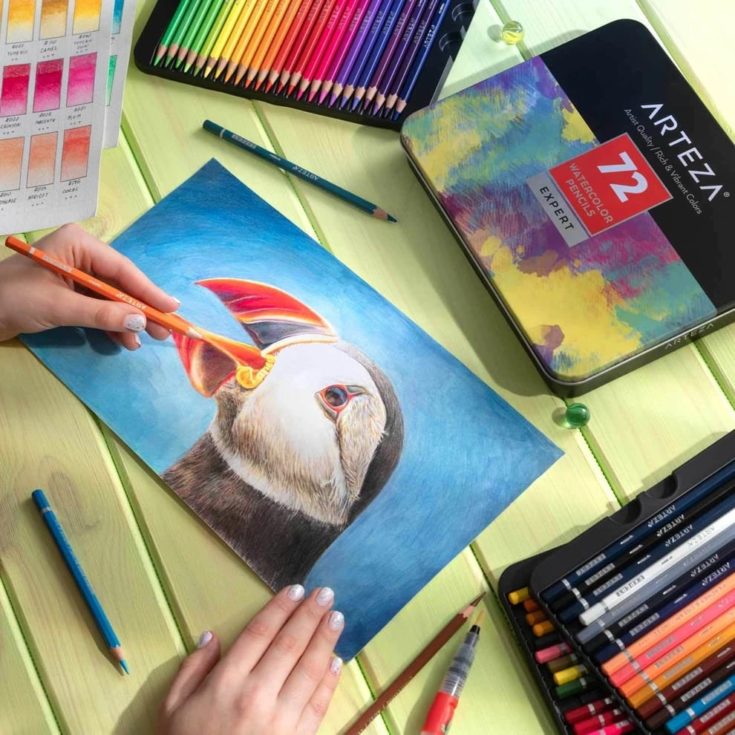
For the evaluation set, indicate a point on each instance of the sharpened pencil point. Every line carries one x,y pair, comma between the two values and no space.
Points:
391,218
124,666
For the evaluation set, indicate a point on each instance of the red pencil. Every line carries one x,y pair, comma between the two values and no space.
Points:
328,47
294,42
315,33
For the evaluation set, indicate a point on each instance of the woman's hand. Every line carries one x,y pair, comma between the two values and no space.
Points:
277,678
33,298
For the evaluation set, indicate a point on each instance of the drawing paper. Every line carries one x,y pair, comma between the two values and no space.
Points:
123,16
344,447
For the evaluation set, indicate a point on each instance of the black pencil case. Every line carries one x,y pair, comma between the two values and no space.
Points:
445,47
547,570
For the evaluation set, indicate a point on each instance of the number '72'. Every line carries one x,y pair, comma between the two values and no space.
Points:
640,184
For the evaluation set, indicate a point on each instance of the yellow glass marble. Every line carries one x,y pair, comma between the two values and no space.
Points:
512,32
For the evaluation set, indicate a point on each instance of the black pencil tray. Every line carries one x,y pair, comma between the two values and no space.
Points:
552,566
446,45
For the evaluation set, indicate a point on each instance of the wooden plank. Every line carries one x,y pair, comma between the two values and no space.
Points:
638,434
163,123
23,703
51,441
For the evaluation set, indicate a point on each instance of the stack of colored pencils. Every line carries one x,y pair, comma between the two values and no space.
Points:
362,56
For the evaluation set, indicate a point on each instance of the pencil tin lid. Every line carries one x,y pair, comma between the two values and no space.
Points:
591,189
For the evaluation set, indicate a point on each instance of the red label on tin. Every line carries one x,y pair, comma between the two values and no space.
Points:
609,184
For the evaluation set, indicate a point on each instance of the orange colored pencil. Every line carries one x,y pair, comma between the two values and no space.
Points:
691,644
314,37
251,27
670,626
295,11
300,35
240,352
714,644
266,39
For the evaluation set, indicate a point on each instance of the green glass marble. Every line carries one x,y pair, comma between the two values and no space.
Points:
576,415
512,32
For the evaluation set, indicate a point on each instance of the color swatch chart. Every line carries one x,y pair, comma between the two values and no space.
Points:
123,15
53,74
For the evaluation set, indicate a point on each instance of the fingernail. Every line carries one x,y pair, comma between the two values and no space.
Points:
336,620
136,340
295,592
335,665
134,322
178,301
325,597
204,638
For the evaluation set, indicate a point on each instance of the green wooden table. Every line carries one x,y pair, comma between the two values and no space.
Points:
163,593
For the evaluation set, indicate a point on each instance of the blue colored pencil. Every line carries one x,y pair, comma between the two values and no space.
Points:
62,543
415,73
302,173
372,58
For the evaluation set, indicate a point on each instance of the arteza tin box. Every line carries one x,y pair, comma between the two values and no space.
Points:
591,189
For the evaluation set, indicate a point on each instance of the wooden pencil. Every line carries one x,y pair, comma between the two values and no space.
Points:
214,34
315,35
197,21
302,38
294,14
402,680
234,37
224,35
190,10
268,39
302,173
248,33
171,29
202,33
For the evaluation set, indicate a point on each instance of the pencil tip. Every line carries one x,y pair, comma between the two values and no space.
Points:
391,218
124,665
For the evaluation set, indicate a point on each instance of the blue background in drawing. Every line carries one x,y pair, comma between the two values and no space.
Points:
467,454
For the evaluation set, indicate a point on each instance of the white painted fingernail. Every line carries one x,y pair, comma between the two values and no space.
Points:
335,666
295,592
178,301
204,638
336,620
134,322
136,339
325,597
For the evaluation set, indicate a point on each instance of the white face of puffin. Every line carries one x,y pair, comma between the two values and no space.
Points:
306,435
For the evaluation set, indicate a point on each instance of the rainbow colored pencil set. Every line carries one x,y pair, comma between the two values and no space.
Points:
630,627
369,61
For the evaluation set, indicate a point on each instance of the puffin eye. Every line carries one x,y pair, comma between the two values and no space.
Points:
336,396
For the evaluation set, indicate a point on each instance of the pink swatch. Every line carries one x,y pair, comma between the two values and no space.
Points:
48,85
14,94
81,80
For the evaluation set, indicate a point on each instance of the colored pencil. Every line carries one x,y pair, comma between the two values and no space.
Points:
595,722
694,616
336,41
569,674
80,578
670,576
261,26
225,33
658,607
343,49
293,15
561,663
392,86
249,33
418,663
376,53
719,528
192,30
296,170
179,33
214,34
678,695
711,716
397,45
642,531
240,352
235,34
629,573
701,705
323,25
302,36
374,12
202,33
551,652
582,684
578,714
267,42
415,72
171,29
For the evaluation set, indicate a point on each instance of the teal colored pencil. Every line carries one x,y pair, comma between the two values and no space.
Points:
302,173
196,23
172,27
203,33
62,543
213,35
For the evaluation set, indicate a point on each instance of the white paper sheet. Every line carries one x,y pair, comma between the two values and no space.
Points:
123,17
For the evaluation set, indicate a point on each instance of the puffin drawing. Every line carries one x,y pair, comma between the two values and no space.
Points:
307,431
